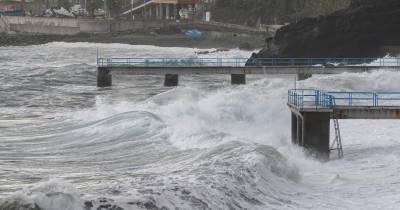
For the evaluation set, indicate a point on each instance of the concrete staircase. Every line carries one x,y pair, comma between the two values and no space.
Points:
147,2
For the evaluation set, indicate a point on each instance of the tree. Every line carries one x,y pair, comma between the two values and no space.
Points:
64,3
114,7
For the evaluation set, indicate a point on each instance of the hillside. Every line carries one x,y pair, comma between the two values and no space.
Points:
362,30
254,12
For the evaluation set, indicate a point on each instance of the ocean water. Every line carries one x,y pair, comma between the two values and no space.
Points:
66,144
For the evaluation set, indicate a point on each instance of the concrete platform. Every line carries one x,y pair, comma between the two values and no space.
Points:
311,114
162,70
302,72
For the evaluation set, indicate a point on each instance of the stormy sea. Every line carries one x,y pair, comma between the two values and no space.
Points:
66,144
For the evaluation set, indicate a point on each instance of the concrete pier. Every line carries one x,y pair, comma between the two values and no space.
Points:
311,130
238,79
238,74
312,111
316,127
104,77
171,80
238,69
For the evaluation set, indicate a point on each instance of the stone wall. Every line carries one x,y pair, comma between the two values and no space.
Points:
70,26
94,26
41,25
3,26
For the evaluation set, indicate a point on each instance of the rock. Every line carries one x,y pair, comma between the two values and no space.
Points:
11,32
169,30
88,205
255,12
14,205
359,31
245,46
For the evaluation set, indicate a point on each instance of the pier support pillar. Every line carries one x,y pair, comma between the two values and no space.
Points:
238,79
167,12
294,129
171,80
303,76
315,135
104,77
157,12
160,11
299,130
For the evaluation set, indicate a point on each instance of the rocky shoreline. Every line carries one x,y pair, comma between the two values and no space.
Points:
363,30
162,40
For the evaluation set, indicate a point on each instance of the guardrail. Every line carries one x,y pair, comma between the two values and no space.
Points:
232,26
237,62
309,98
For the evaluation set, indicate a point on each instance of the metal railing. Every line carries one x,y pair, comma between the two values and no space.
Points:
309,98
237,62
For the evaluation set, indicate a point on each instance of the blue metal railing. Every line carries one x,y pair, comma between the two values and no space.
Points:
235,62
310,98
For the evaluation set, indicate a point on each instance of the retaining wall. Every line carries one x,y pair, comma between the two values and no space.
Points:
43,25
67,26
3,27
95,26
70,26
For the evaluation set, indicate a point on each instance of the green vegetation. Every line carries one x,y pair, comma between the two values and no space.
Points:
114,7
65,3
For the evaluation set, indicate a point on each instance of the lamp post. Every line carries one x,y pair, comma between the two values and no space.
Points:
105,8
133,17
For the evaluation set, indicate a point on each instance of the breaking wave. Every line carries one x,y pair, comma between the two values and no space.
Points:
204,145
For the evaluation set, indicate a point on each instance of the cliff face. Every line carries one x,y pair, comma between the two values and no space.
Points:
359,31
253,12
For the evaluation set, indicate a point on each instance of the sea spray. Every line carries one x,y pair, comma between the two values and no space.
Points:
203,145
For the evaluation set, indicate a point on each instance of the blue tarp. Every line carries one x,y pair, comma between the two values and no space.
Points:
12,13
194,33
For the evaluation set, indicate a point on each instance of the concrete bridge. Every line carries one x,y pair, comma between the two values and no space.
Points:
238,68
312,111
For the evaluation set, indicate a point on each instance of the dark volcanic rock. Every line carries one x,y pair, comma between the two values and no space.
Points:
359,31
15,205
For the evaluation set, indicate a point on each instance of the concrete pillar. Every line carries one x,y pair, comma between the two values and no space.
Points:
300,131
316,128
104,77
303,76
294,129
157,12
160,10
238,79
175,11
171,80
150,13
167,16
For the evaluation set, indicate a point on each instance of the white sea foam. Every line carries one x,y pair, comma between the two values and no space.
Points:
203,145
